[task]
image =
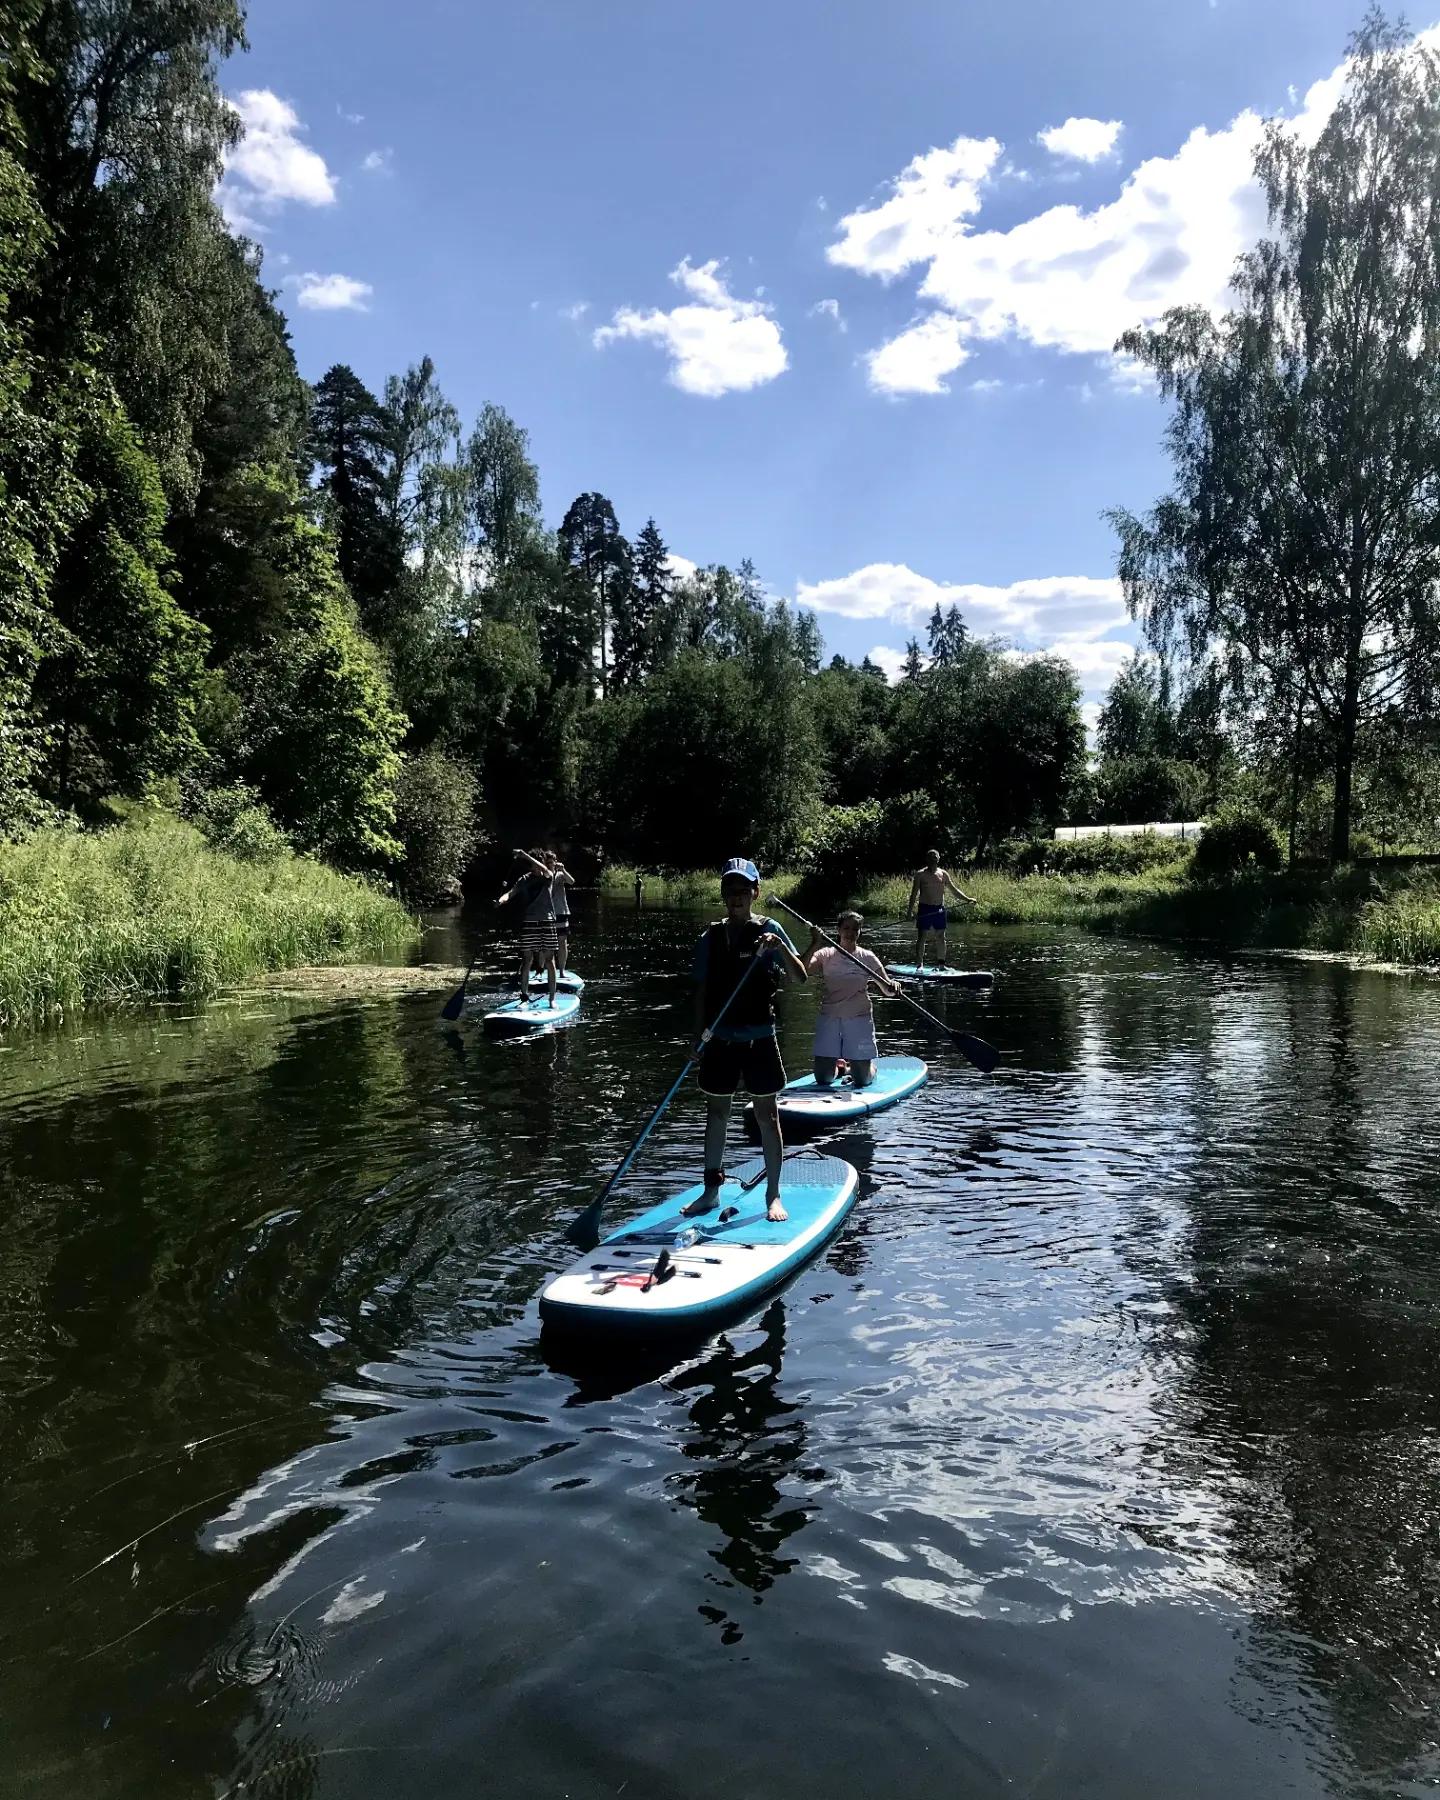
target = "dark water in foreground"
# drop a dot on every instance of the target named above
(1099, 1456)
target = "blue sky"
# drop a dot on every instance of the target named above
(831, 285)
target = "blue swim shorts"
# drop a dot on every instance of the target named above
(931, 918)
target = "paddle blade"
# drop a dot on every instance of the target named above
(975, 1050)
(583, 1231)
(454, 1006)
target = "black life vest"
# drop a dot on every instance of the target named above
(730, 951)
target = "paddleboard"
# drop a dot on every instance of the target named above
(975, 978)
(717, 1263)
(802, 1103)
(568, 982)
(518, 1016)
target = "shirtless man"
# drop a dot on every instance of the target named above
(928, 886)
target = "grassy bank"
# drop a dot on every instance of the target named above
(1392, 917)
(149, 911)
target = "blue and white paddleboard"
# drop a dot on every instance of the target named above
(717, 1263)
(569, 982)
(802, 1103)
(975, 978)
(517, 1016)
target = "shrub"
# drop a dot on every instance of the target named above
(237, 821)
(1096, 855)
(1237, 840)
(435, 822)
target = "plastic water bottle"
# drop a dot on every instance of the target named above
(684, 1239)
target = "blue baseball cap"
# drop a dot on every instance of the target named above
(737, 865)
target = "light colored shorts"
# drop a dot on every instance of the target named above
(854, 1039)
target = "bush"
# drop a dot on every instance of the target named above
(1237, 840)
(435, 822)
(237, 821)
(1094, 856)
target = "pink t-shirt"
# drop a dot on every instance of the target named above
(846, 996)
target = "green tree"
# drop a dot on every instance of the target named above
(590, 542)
(504, 490)
(124, 129)
(350, 444)
(120, 686)
(1301, 544)
(306, 714)
(643, 608)
(947, 634)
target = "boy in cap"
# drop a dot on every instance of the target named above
(742, 1049)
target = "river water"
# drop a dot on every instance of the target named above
(1098, 1456)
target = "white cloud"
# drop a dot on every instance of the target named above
(1083, 140)
(576, 311)
(829, 309)
(681, 567)
(1036, 611)
(917, 360)
(987, 385)
(930, 198)
(270, 166)
(891, 662)
(332, 293)
(1062, 615)
(349, 117)
(1066, 278)
(717, 344)
(379, 162)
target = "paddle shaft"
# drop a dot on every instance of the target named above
(585, 1227)
(955, 1037)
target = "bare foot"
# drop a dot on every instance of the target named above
(775, 1210)
(707, 1202)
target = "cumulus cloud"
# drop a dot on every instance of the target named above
(1082, 140)
(917, 361)
(1066, 615)
(890, 661)
(1037, 610)
(717, 343)
(829, 309)
(379, 162)
(680, 567)
(576, 311)
(1066, 278)
(271, 166)
(928, 201)
(332, 293)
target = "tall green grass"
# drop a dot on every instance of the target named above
(685, 887)
(148, 910)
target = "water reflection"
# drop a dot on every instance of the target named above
(1107, 1423)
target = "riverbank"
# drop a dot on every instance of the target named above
(1390, 917)
(149, 911)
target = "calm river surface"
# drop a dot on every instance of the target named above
(1099, 1456)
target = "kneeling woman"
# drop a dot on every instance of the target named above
(846, 1027)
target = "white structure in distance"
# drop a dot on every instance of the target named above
(1181, 829)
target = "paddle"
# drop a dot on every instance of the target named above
(975, 1050)
(455, 1005)
(584, 1229)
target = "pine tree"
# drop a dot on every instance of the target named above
(350, 438)
(590, 542)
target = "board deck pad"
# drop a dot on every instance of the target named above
(802, 1102)
(976, 978)
(730, 1262)
(518, 1015)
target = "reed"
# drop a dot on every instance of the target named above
(148, 910)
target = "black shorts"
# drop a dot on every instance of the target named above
(754, 1065)
(562, 926)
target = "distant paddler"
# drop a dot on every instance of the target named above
(928, 887)
(538, 943)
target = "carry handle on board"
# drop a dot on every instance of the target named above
(975, 1050)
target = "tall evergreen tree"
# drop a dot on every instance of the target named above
(350, 439)
(640, 618)
(590, 542)
(947, 634)
(914, 666)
